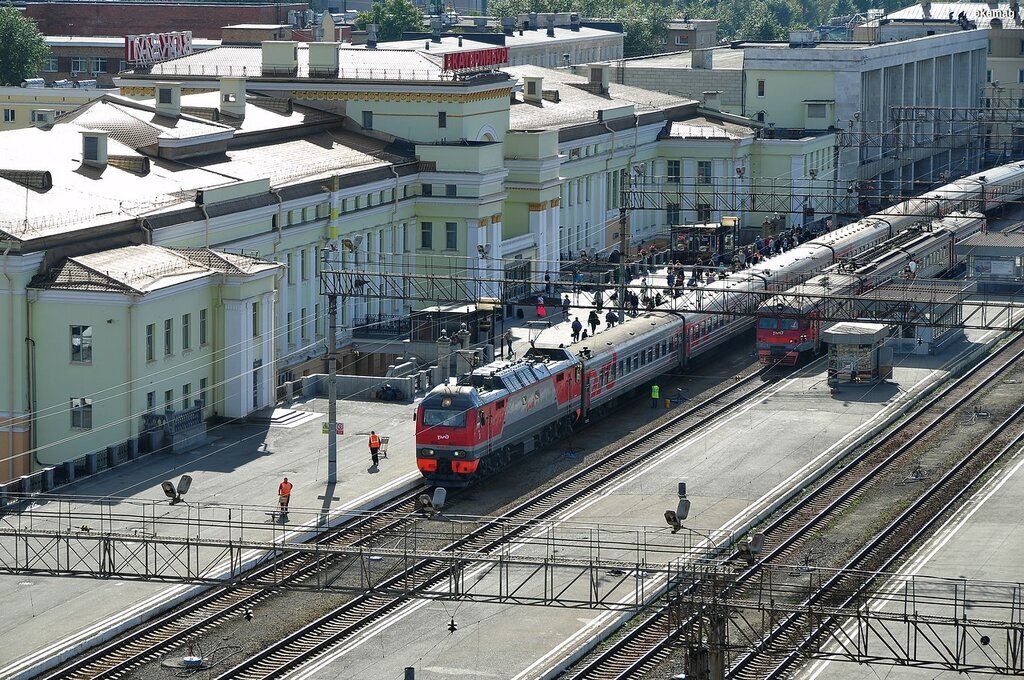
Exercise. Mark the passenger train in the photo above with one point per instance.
(789, 327)
(506, 409)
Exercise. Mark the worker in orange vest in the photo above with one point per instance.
(374, 447)
(284, 494)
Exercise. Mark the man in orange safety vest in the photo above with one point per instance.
(284, 494)
(374, 447)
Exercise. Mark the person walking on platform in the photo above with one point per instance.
(374, 447)
(508, 343)
(594, 321)
(566, 304)
(598, 300)
(655, 394)
(284, 495)
(576, 328)
(611, 318)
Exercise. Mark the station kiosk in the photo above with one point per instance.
(857, 353)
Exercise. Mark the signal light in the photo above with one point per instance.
(452, 626)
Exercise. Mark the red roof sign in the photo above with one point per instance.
(476, 60)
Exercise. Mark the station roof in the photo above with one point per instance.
(246, 61)
(705, 128)
(138, 182)
(920, 290)
(142, 269)
(993, 240)
(577, 105)
(723, 59)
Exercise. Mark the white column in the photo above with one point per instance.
(268, 373)
(237, 357)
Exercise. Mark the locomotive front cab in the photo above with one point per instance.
(446, 424)
(781, 339)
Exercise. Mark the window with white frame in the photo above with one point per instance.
(8, 115)
(202, 327)
(186, 332)
(168, 336)
(51, 65)
(451, 235)
(704, 172)
(674, 171)
(99, 65)
(81, 344)
(78, 65)
(81, 413)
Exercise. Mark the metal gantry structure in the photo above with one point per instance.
(927, 622)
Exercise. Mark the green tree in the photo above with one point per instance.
(393, 18)
(761, 23)
(22, 47)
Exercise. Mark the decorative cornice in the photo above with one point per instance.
(555, 202)
(482, 223)
(538, 207)
(434, 97)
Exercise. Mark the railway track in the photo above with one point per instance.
(651, 641)
(336, 626)
(155, 638)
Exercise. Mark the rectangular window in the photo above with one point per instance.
(428, 190)
(303, 267)
(1021, 46)
(168, 400)
(451, 235)
(442, 119)
(8, 115)
(77, 65)
(760, 88)
(288, 325)
(51, 65)
(81, 344)
(186, 392)
(674, 171)
(151, 342)
(150, 401)
(368, 120)
(703, 212)
(122, 65)
(317, 321)
(81, 413)
(168, 336)
(988, 76)
(673, 213)
(99, 65)
(450, 190)
(427, 235)
(815, 110)
(163, 95)
(305, 323)
(289, 266)
(186, 332)
(1020, 76)
(202, 327)
(682, 41)
(255, 319)
(704, 172)
(203, 382)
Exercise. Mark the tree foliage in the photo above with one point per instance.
(22, 47)
(393, 18)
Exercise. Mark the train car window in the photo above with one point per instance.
(643, 358)
(500, 404)
(432, 417)
(560, 378)
(768, 323)
(621, 366)
(790, 324)
(481, 418)
(664, 347)
(650, 354)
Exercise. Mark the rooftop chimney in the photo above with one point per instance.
(371, 36)
(94, 148)
(599, 78)
(533, 21)
(168, 99)
(435, 30)
(508, 25)
(533, 89)
(232, 97)
(574, 22)
(712, 100)
(551, 25)
(323, 60)
(280, 57)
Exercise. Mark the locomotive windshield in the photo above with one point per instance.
(432, 417)
(771, 323)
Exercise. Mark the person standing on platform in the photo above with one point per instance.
(566, 304)
(374, 447)
(541, 310)
(508, 343)
(594, 321)
(576, 328)
(284, 494)
(655, 394)
(598, 300)
(611, 318)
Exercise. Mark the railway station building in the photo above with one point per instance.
(257, 159)
(847, 89)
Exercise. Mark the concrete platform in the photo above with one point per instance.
(982, 543)
(239, 471)
(736, 474)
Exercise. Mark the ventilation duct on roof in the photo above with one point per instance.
(232, 97)
(33, 179)
(280, 58)
(94, 148)
(168, 99)
(323, 60)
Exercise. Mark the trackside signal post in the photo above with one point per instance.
(329, 287)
